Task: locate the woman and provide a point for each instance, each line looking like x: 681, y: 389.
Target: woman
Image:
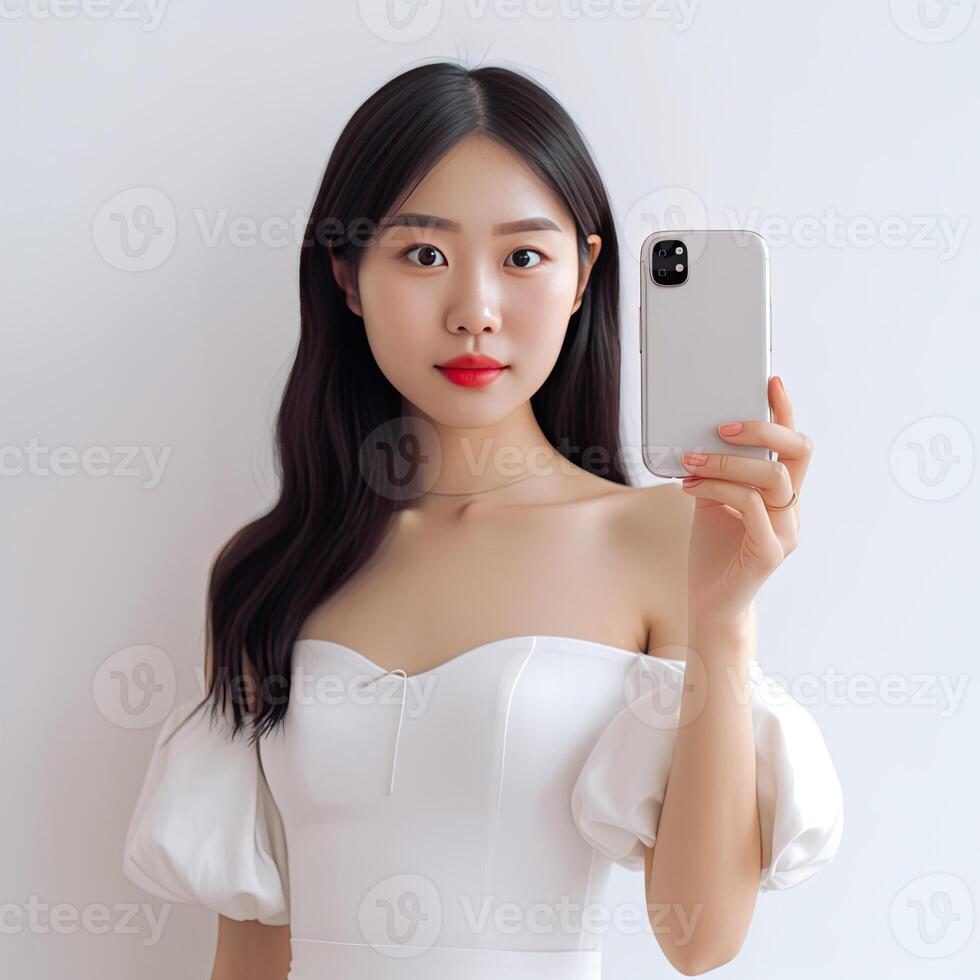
x: 467, y: 651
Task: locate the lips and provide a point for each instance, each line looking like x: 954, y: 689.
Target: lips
x: 471, y: 361
x: 472, y: 370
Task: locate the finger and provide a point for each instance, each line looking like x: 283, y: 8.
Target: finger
x: 762, y: 541
x: 792, y: 448
x: 772, y: 479
x: 797, y: 459
x: 782, y: 408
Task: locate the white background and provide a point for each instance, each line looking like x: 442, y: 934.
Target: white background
x: 846, y: 133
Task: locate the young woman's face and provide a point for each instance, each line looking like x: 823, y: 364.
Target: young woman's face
x: 430, y: 291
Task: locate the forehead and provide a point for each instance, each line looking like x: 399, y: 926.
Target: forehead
x: 480, y: 184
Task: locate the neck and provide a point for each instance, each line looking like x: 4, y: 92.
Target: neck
x: 503, y: 462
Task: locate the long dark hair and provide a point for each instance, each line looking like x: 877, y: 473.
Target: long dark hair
x: 327, y: 522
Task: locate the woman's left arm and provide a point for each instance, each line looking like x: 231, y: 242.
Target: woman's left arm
x: 702, y: 877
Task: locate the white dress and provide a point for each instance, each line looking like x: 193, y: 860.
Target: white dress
x: 460, y: 823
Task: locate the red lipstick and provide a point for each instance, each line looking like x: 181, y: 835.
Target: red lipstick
x: 472, y: 370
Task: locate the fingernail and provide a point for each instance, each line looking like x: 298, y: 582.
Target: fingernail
x: 730, y: 428
x: 781, y: 385
x: 695, y: 459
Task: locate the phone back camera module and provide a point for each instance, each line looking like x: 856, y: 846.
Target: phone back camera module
x: 668, y: 262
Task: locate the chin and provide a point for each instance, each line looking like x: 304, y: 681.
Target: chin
x: 466, y: 416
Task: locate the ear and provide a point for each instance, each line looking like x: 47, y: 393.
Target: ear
x: 343, y: 273
x: 595, y: 246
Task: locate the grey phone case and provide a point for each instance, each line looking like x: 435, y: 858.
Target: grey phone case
x: 705, y: 347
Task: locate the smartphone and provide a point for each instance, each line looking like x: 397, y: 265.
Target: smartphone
x: 705, y: 343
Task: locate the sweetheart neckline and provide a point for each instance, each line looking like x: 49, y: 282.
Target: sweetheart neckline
x: 574, y: 640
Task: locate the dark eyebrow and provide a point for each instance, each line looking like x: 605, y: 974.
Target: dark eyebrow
x: 431, y: 221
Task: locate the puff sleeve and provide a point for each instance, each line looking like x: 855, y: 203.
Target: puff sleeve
x: 205, y: 827
x: 617, y: 798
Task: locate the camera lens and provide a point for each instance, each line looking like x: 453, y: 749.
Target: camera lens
x: 661, y: 252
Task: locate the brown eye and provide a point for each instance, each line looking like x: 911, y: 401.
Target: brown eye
x: 427, y: 256
x: 523, y: 255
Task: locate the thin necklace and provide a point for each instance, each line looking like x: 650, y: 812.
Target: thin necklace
x: 465, y: 493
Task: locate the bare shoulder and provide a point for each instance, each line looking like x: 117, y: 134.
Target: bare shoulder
x: 649, y: 529
x: 649, y: 532
x: 645, y: 516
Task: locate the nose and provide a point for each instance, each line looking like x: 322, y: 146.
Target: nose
x: 476, y: 309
